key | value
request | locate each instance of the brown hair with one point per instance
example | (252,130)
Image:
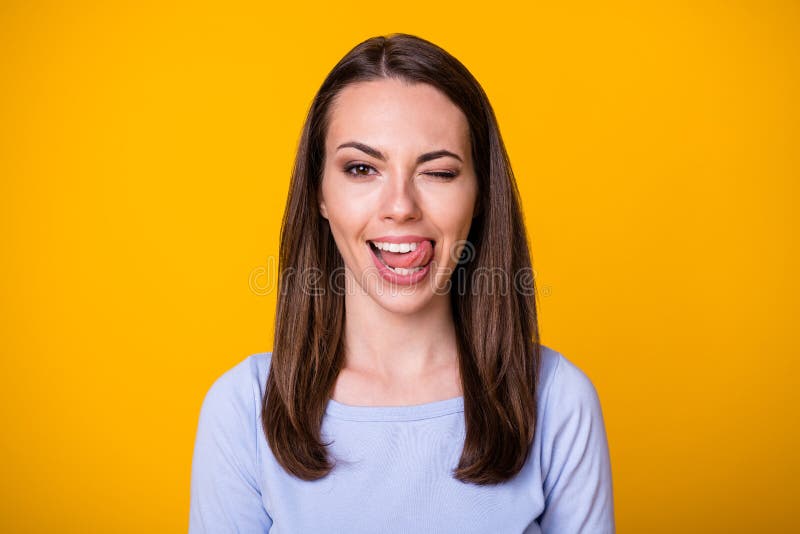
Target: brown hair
(496,331)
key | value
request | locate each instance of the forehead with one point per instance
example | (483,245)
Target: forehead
(393,113)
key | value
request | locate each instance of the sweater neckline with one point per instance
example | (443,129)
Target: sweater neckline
(413,412)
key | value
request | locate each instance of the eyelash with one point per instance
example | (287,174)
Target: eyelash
(444,175)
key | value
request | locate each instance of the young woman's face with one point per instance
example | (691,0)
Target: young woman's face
(398,189)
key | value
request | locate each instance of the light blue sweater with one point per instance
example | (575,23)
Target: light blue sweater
(394,466)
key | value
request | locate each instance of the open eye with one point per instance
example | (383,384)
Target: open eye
(360,169)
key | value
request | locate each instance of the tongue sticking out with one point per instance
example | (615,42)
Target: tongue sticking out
(409,260)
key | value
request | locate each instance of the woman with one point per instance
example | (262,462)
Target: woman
(407,390)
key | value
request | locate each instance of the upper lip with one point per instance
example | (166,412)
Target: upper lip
(401,239)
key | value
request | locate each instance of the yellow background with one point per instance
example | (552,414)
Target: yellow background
(145,152)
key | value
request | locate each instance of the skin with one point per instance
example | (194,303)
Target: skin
(400,342)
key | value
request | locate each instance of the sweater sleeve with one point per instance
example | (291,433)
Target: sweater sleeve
(575,457)
(225,492)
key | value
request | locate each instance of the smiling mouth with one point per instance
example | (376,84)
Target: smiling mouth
(402,263)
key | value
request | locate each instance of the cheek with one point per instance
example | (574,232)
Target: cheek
(346,211)
(454,210)
(451,217)
(332,198)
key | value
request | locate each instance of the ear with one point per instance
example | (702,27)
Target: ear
(323,210)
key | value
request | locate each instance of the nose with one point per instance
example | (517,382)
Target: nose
(399,201)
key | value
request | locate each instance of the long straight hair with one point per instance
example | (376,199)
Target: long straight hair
(492,292)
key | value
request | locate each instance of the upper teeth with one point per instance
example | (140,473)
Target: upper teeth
(396,247)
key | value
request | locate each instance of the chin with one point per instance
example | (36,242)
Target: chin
(402,304)
(403,300)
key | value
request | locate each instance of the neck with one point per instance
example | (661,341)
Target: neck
(398,347)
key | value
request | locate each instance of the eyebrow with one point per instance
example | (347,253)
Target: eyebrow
(428,156)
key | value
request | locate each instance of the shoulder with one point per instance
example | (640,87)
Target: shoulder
(250,372)
(238,390)
(570,417)
(561,382)
(569,405)
(573,454)
(226,480)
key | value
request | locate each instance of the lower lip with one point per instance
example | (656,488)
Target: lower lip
(399,279)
